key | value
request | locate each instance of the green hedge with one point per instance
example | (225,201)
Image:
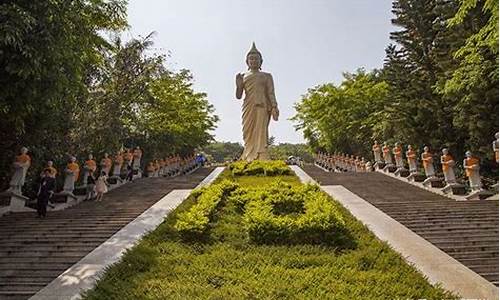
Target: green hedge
(195,221)
(260,167)
(288,215)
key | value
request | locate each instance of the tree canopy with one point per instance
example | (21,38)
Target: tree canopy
(71,86)
(438,86)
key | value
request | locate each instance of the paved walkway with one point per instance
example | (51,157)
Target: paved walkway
(34,252)
(467,231)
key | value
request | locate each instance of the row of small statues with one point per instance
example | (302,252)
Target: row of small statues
(392,158)
(173,165)
(344,162)
(470,163)
(129,159)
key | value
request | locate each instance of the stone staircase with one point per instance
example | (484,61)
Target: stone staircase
(33,251)
(465,230)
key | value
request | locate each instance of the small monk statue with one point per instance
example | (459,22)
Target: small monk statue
(150,169)
(411,156)
(162,167)
(72,172)
(495,147)
(136,165)
(471,166)
(428,162)
(106,164)
(376,152)
(21,164)
(118,163)
(447,163)
(89,168)
(398,155)
(387,155)
(52,172)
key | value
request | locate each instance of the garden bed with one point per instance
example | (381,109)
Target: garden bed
(228,264)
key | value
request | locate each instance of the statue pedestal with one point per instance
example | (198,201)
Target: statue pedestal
(402,172)
(479,195)
(454,188)
(379,165)
(416,177)
(389,168)
(17,203)
(433,182)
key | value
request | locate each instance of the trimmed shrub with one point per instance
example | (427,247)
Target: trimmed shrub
(195,220)
(290,215)
(260,167)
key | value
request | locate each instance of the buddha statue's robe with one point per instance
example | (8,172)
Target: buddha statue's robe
(257,106)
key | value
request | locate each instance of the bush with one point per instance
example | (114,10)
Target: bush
(195,221)
(289,215)
(260,167)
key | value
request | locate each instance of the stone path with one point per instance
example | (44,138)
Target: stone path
(34,252)
(467,231)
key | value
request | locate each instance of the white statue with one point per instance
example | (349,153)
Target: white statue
(471,166)
(428,162)
(387,155)
(376,152)
(412,160)
(447,163)
(398,155)
(21,165)
(72,172)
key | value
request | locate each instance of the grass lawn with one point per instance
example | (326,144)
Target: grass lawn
(225,265)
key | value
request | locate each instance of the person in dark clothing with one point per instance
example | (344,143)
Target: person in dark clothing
(130,173)
(45,192)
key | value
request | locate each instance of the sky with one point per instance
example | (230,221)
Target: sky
(304,43)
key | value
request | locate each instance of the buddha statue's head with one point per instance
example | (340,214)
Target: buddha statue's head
(24,150)
(254,58)
(50,163)
(410,147)
(468,154)
(426,149)
(445,151)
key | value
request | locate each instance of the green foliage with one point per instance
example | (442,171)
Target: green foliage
(284,150)
(229,267)
(345,117)
(221,152)
(66,90)
(438,86)
(194,222)
(290,215)
(260,167)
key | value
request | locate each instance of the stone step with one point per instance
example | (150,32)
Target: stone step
(452,227)
(40,265)
(12,295)
(50,248)
(21,287)
(55,238)
(55,241)
(6,274)
(489,254)
(464,242)
(37,259)
(470,248)
(440,219)
(49,229)
(47,253)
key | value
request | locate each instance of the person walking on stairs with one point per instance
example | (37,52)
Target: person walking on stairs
(45,192)
(101,186)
